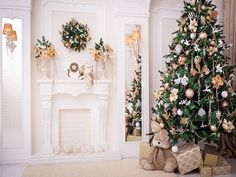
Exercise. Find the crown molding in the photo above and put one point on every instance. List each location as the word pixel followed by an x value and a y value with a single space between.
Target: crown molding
pixel 17 7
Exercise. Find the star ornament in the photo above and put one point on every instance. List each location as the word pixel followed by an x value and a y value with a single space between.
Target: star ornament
pixel 217 81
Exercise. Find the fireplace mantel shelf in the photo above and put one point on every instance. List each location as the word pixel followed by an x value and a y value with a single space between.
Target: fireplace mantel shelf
pixel 73 87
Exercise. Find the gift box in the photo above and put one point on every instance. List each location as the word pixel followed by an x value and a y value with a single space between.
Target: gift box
pixel 137 131
pixel 210 155
pixel 222 167
pixel 205 171
pixel 188 158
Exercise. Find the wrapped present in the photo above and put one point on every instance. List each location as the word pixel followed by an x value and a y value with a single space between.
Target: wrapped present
pixel 210 155
pixel 222 167
pixel 205 171
pixel 137 131
pixel 188 158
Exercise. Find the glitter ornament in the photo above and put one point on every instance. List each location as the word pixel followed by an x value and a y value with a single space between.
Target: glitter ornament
pixel 191 15
pixel 178 49
pixel 213 128
pixel 180 112
pixel 224 94
pixel 174 148
pixel 189 93
pixel 193 35
pixel 201 112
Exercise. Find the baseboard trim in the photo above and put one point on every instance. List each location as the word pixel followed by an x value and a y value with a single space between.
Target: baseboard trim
pixel 52 159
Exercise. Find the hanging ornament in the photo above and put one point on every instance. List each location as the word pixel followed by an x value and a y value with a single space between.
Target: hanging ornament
pixel 166 86
pixel 178 49
pixel 187 52
pixel 189 93
pixel 137 124
pixel 213 128
pixel 218 114
pixel 219 69
pixel 224 94
pixel 201 112
pixel 197 59
pixel 174 148
pixel 211 50
pixel 213 43
pixel 203 35
pixel 180 112
pixel 193 35
pixel 162 125
pixel 174 95
pixel 193 25
pixel 174 112
pixel 184 121
pixel 228 126
pixel 191 15
pixel 225 104
pixel 203 7
pixel 184 80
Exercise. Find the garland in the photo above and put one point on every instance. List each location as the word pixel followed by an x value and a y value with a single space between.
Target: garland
pixel 75 35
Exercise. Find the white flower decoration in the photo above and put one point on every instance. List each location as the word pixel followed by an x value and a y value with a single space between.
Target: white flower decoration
pixel 184 80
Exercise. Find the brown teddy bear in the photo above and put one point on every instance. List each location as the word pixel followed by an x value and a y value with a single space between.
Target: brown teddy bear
pixel 158 156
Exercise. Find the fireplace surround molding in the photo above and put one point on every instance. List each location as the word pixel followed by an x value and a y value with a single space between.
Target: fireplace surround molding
pixel 50 89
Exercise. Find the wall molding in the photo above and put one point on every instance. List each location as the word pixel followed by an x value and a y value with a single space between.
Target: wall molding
pixel 16 7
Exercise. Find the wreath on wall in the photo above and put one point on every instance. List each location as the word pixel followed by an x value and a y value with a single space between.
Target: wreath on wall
pixel 75 35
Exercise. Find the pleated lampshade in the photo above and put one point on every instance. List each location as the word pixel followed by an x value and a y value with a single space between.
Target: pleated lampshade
pixel 7 29
pixel 12 36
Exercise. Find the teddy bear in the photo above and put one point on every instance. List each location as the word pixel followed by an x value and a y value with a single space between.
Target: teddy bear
pixel 158 155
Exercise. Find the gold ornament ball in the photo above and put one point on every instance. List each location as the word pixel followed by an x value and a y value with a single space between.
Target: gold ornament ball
pixel 213 128
pixel 189 93
pixel 203 35
pixel 225 104
pixel 213 43
pixel 162 125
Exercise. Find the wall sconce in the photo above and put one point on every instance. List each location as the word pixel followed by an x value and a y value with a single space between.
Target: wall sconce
pixel 11 36
pixel 132 41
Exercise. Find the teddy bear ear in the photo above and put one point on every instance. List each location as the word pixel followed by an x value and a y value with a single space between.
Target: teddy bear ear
pixel 155 126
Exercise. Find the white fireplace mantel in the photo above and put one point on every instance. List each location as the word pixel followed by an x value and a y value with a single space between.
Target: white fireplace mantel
pixel 50 88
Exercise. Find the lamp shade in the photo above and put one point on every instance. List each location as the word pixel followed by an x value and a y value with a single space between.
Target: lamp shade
pixel 136 35
pixel 7 29
pixel 12 36
pixel 129 39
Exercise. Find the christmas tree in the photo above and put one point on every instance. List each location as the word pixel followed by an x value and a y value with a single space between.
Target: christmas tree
pixel 133 112
pixel 196 100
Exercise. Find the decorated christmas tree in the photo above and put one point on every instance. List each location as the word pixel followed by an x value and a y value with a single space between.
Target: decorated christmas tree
pixel 133 99
pixel 196 100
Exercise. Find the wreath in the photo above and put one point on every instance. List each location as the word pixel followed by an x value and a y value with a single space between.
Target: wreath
pixel 75 35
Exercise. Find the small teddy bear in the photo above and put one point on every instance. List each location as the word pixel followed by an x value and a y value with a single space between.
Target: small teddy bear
pixel 159 156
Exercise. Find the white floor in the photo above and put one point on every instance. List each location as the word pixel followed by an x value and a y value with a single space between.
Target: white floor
pixel 18 170
pixel 12 170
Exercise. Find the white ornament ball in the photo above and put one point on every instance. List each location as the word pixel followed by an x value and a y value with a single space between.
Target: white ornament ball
pixel 178 49
pixel 187 52
pixel 174 148
pixel 137 124
pixel 213 43
pixel 201 112
pixel 193 2
pixel 180 112
pixel 203 35
pixel 193 35
pixel 189 93
pixel 203 7
pixel 218 114
pixel 162 125
pixel 224 94
pixel 213 128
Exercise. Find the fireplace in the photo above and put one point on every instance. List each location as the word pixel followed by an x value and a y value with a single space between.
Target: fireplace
pixel 74 117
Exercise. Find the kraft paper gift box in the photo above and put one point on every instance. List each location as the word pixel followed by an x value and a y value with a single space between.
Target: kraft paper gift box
pixel 210 155
pixel 188 158
pixel 222 167
pixel 137 131
pixel 205 171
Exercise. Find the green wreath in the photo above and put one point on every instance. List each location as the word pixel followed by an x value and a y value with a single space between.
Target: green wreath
pixel 75 35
